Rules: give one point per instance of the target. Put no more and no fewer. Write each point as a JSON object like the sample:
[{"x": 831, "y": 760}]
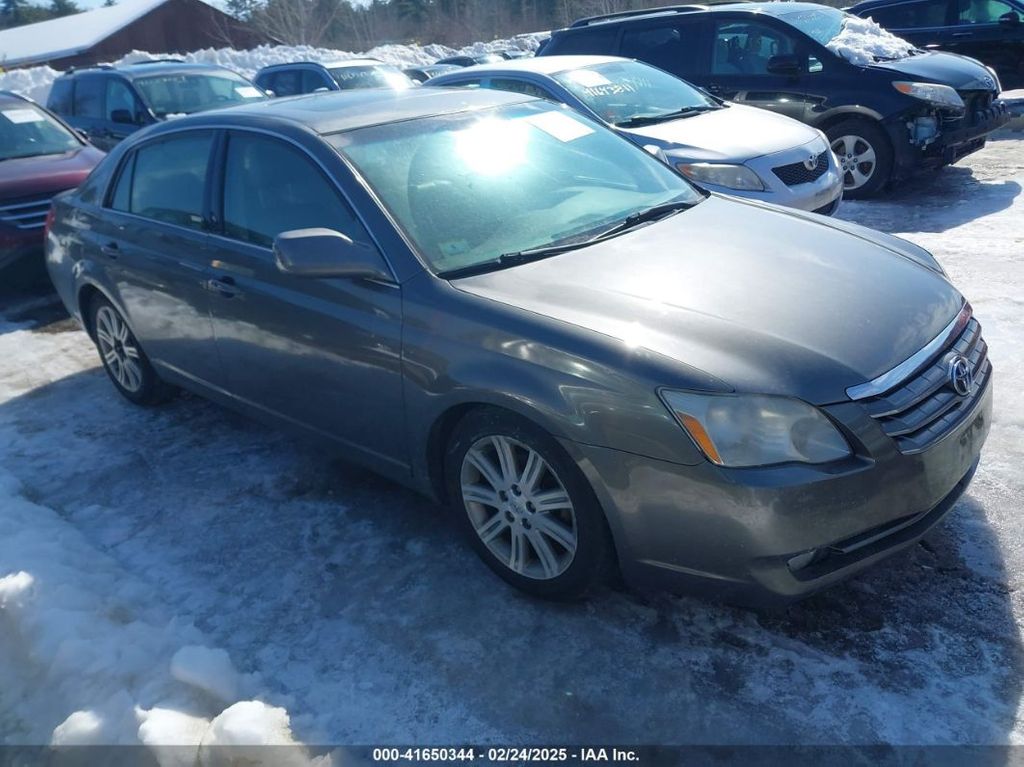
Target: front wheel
[
  {"x": 527, "y": 508},
  {"x": 865, "y": 157}
]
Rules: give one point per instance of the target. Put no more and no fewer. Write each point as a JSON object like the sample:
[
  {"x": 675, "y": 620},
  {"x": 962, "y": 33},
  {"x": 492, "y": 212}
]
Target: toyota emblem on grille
[
  {"x": 811, "y": 163},
  {"x": 961, "y": 377}
]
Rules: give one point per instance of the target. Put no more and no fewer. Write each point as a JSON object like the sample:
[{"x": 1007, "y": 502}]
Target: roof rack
[
  {"x": 70, "y": 70},
  {"x": 664, "y": 10},
  {"x": 168, "y": 60}
]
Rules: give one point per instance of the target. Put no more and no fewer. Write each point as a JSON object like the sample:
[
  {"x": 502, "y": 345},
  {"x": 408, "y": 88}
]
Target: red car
[{"x": 39, "y": 157}]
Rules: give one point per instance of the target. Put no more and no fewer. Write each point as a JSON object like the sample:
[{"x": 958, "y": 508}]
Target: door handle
[
  {"x": 111, "y": 250},
  {"x": 963, "y": 34},
  {"x": 223, "y": 286}
]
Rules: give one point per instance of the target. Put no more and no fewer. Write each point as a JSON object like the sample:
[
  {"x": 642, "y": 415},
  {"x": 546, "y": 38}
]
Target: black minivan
[
  {"x": 888, "y": 108},
  {"x": 991, "y": 31}
]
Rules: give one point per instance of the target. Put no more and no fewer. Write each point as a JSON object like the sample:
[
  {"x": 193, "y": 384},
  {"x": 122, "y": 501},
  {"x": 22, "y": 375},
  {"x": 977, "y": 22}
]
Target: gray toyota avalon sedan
[{"x": 507, "y": 306}]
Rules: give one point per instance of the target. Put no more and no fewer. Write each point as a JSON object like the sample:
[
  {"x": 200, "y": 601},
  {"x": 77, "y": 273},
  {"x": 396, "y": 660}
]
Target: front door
[{"x": 322, "y": 353}]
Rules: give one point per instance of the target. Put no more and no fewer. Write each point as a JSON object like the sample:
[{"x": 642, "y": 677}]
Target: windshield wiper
[
  {"x": 641, "y": 120},
  {"x": 536, "y": 254}
]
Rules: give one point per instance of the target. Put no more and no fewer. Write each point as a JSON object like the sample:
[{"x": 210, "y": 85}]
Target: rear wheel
[
  {"x": 865, "y": 157},
  {"x": 526, "y": 507},
  {"x": 123, "y": 359}
]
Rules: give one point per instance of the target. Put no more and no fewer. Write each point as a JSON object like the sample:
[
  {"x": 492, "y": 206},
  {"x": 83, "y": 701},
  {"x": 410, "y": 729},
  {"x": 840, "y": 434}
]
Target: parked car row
[{"x": 554, "y": 293}]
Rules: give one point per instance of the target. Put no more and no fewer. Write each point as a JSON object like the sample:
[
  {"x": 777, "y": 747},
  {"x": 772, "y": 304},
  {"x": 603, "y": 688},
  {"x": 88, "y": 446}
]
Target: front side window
[
  {"x": 89, "y": 97},
  {"x": 314, "y": 80},
  {"x": 165, "y": 180},
  {"x": 469, "y": 187},
  {"x": 629, "y": 93},
  {"x": 121, "y": 104},
  {"x": 271, "y": 187},
  {"x": 370, "y": 76},
  {"x": 185, "y": 93},
  {"x": 983, "y": 11},
  {"x": 28, "y": 131},
  {"x": 744, "y": 47}
]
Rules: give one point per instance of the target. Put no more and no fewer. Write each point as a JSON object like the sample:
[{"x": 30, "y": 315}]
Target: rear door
[
  {"x": 322, "y": 353},
  {"x": 154, "y": 245},
  {"x": 738, "y": 65}
]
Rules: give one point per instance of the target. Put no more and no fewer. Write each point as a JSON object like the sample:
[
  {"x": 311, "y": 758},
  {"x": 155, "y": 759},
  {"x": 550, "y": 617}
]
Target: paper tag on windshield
[
  {"x": 18, "y": 116},
  {"x": 247, "y": 92},
  {"x": 560, "y": 125},
  {"x": 588, "y": 78}
]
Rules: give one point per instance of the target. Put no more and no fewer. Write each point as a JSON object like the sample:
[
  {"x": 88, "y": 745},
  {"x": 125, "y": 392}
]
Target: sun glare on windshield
[{"x": 493, "y": 146}]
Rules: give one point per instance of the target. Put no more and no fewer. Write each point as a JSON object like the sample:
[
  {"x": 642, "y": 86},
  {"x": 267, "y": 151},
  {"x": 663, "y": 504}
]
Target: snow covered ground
[{"x": 158, "y": 567}]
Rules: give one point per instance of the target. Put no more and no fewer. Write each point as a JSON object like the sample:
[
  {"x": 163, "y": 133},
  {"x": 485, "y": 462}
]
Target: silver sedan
[{"x": 723, "y": 147}]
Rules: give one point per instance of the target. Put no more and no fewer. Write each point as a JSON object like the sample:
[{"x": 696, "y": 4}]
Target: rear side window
[
  {"x": 929, "y": 13},
  {"x": 60, "y": 97},
  {"x": 89, "y": 97},
  {"x": 271, "y": 187},
  {"x": 600, "y": 40},
  {"x": 166, "y": 180}
]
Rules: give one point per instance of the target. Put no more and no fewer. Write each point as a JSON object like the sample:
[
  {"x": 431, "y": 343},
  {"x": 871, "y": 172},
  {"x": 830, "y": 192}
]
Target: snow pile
[
  {"x": 35, "y": 82},
  {"x": 92, "y": 658},
  {"x": 863, "y": 42}
]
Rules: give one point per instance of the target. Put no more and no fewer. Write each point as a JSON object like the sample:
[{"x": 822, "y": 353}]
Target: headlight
[
  {"x": 729, "y": 176},
  {"x": 756, "y": 430},
  {"x": 933, "y": 93}
]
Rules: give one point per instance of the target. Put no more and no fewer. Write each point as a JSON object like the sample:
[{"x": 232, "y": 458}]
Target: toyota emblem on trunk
[{"x": 961, "y": 378}]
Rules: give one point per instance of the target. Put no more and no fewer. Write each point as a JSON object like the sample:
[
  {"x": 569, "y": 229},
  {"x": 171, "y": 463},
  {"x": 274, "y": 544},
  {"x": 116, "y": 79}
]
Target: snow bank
[
  {"x": 92, "y": 658},
  {"x": 35, "y": 82},
  {"x": 863, "y": 42}
]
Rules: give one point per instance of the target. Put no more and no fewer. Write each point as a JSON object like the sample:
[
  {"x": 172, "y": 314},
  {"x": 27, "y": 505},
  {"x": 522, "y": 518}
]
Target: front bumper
[
  {"x": 822, "y": 195},
  {"x": 773, "y": 535},
  {"x": 955, "y": 140}
]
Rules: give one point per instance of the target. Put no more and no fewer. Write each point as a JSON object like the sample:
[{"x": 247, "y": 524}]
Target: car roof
[
  {"x": 327, "y": 64},
  {"x": 543, "y": 65},
  {"x": 337, "y": 111},
  {"x": 8, "y": 98},
  {"x": 144, "y": 68},
  {"x": 778, "y": 8}
]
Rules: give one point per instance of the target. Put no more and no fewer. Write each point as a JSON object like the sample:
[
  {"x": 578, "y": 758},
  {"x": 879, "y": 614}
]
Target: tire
[
  {"x": 126, "y": 364},
  {"x": 563, "y": 551},
  {"x": 853, "y": 139}
]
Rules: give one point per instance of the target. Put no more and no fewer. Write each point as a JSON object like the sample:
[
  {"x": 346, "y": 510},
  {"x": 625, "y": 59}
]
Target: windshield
[
  {"x": 621, "y": 93},
  {"x": 28, "y": 131},
  {"x": 470, "y": 187},
  {"x": 859, "y": 41},
  {"x": 370, "y": 76},
  {"x": 185, "y": 93}
]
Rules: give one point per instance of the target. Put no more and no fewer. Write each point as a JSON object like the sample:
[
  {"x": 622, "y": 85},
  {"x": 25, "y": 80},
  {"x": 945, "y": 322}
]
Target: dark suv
[
  {"x": 887, "y": 108},
  {"x": 109, "y": 103},
  {"x": 988, "y": 30},
  {"x": 39, "y": 157}
]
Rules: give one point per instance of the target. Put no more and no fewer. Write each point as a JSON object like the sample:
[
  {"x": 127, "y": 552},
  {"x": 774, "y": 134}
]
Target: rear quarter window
[
  {"x": 61, "y": 93},
  {"x": 599, "y": 40}
]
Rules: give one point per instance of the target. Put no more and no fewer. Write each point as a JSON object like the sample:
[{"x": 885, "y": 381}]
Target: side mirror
[
  {"x": 270, "y": 93},
  {"x": 785, "y": 64},
  {"x": 123, "y": 117},
  {"x": 1010, "y": 19},
  {"x": 326, "y": 253}
]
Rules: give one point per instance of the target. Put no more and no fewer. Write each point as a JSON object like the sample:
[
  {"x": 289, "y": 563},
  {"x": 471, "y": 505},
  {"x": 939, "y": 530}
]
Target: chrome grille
[
  {"x": 924, "y": 408},
  {"x": 29, "y": 213},
  {"x": 798, "y": 173}
]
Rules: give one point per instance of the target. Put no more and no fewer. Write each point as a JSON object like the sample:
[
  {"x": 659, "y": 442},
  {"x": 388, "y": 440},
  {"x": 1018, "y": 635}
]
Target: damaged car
[{"x": 888, "y": 108}]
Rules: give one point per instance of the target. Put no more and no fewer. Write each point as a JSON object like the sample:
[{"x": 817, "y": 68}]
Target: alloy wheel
[
  {"x": 519, "y": 507},
  {"x": 118, "y": 348},
  {"x": 857, "y": 160}
]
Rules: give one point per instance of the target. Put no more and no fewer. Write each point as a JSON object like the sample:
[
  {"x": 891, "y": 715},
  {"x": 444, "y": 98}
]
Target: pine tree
[
  {"x": 11, "y": 12},
  {"x": 63, "y": 8}
]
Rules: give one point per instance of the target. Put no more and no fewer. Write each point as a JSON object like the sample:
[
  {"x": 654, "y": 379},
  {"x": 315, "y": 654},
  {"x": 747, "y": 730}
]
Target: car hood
[
  {"x": 736, "y": 133},
  {"x": 49, "y": 174},
  {"x": 959, "y": 72},
  {"x": 763, "y": 300}
]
